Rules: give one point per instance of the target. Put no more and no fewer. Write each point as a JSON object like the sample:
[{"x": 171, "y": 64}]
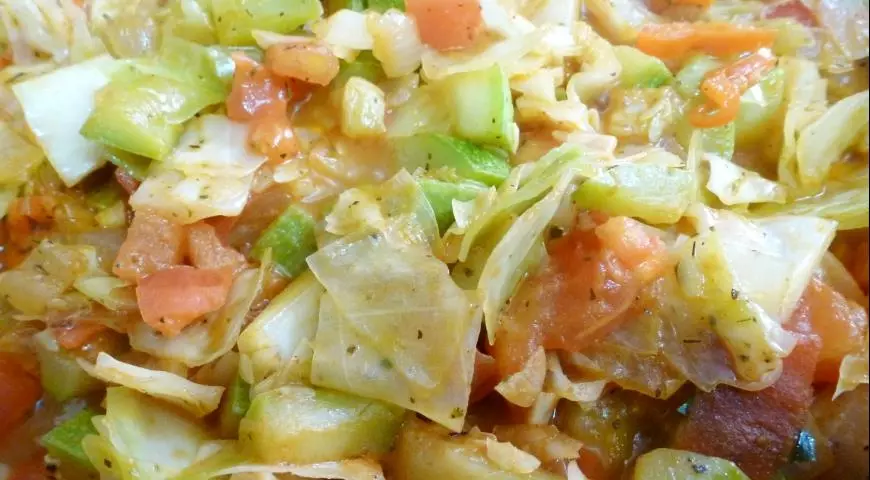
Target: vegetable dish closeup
[{"x": 434, "y": 239}]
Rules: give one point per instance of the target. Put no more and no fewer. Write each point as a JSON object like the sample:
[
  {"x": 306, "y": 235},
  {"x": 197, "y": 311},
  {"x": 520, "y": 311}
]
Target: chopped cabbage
[
  {"x": 846, "y": 24},
  {"x": 397, "y": 208},
  {"x": 345, "y": 32},
  {"x": 823, "y": 142},
  {"x": 758, "y": 107},
  {"x": 56, "y": 105},
  {"x": 750, "y": 275},
  {"x": 560, "y": 12},
  {"x": 600, "y": 67},
  {"x": 199, "y": 400},
  {"x": 275, "y": 335},
  {"x": 110, "y": 292},
  {"x": 620, "y": 20},
  {"x": 735, "y": 185},
  {"x": 55, "y": 29},
  {"x": 854, "y": 369},
  {"x": 206, "y": 341},
  {"x": 394, "y": 327},
  {"x": 20, "y": 157},
  {"x": 142, "y": 439},
  {"x": 395, "y": 42},
  {"x": 510, "y": 458},
  {"x": 363, "y": 109},
  {"x": 210, "y": 173},
  {"x": 642, "y": 114},
  {"x": 191, "y": 20},
  {"x": 128, "y": 28},
  {"x": 558, "y": 383},
  {"x": 523, "y": 387}
]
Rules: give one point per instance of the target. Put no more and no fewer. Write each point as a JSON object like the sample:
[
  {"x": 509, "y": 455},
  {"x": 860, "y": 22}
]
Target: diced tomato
[
  {"x": 78, "y": 333},
  {"x": 839, "y": 323},
  {"x": 153, "y": 243},
  {"x": 172, "y": 299},
  {"x": 485, "y": 376},
  {"x": 206, "y": 250},
  {"x": 583, "y": 294},
  {"x": 126, "y": 181},
  {"x": 793, "y": 9},
  {"x": 755, "y": 430},
  {"x": 446, "y": 24},
  {"x": 32, "y": 469},
  {"x": 19, "y": 392},
  {"x": 270, "y": 133}
]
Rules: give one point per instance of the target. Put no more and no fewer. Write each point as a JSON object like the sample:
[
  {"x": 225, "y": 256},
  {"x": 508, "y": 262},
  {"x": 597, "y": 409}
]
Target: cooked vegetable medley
[{"x": 434, "y": 239}]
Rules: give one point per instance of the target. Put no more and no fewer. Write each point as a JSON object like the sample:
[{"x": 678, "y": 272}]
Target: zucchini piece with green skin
[
  {"x": 143, "y": 109},
  {"x": 60, "y": 374},
  {"x": 640, "y": 69},
  {"x": 291, "y": 238},
  {"x": 431, "y": 151},
  {"x": 64, "y": 442},
  {"x": 431, "y": 452},
  {"x": 304, "y": 425},
  {"x": 482, "y": 107},
  {"x": 683, "y": 465},
  {"x": 235, "y": 19},
  {"x": 333, "y": 6},
  {"x": 654, "y": 193},
  {"x": 441, "y": 195},
  {"x": 365, "y": 65},
  {"x": 384, "y": 5},
  {"x": 236, "y": 404},
  {"x": 136, "y": 166}
]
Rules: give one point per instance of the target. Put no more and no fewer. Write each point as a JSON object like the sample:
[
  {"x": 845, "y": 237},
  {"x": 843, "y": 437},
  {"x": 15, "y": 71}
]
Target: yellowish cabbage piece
[{"x": 199, "y": 400}]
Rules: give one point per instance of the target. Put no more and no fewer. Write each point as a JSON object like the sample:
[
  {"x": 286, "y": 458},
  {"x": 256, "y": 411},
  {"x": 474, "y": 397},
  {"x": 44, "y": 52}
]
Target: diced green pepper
[
  {"x": 682, "y": 465},
  {"x": 136, "y": 166},
  {"x": 333, "y": 6},
  {"x": 654, "y": 193},
  {"x": 384, "y": 5},
  {"x": 235, "y": 19},
  {"x": 640, "y": 69},
  {"x": 441, "y": 195},
  {"x": 234, "y": 407},
  {"x": 482, "y": 107},
  {"x": 60, "y": 374},
  {"x": 365, "y": 65},
  {"x": 690, "y": 76},
  {"x": 64, "y": 442},
  {"x": 431, "y": 151},
  {"x": 291, "y": 238},
  {"x": 143, "y": 109},
  {"x": 304, "y": 425}
]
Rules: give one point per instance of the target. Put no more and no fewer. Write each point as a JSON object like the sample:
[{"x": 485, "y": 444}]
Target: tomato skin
[
  {"x": 153, "y": 243},
  {"x": 446, "y": 24},
  {"x": 587, "y": 290},
  {"x": 206, "y": 250},
  {"x": 19, "y": 392},
  {"x": 33, "y": 469},
  {"x": 795, "y": 10}
]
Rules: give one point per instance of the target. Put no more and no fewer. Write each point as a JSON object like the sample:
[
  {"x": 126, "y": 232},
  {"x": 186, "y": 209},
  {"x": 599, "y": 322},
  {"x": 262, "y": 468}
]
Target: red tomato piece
[{"x": 172, "y": 299}]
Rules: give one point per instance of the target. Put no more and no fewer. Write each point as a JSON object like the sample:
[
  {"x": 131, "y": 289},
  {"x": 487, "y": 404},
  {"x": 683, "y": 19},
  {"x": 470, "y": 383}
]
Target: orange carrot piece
[
  {"x": 446, "y": 24},
  {"x": 676, "y": 40},
  {"x": 172, "y": 299},
  {"x": 76, "y": 334},
  {"x": 153, "y": 243},
  {"x": 724, "y": 86}
]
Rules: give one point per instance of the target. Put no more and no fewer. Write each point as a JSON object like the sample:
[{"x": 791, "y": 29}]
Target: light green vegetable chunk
[
  {"x": 665, "y": 463},
  {"x": 59, "y": 373},
  {"x": 191, "y": 20},
  {"x": 431, "y": 151},
  {"x": 430, "y": 452},
  {"x": 482, "y": 107},
  {"x": 235, "y": 19},
  {"x": 654, "y": 193},
  {"x": 333, "y": 6},
  {"x": 365, "y": 65},
  {"x": 64, "y": 441},
  {"x": 384, "y": 5},
  {"x": 758, "y": 106},
  {"x": 441, "y": 195},
  {"x": 640, "y": 69},
  {"x": 143, "y": 109},
  {"x": 304, "y": 425},
  {"x": 234, "y": 407},
  {"x": 136, "y": 166},
  {"x": 689, "y": 77},
  {"x": 363, "y": 108},
  {"x": 291, "y": 238}
]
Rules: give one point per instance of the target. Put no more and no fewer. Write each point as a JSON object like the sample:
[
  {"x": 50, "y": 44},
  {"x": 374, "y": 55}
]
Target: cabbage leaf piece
[
  {"x": 142, "y": 439},
  {"x": 199, "y": 400},
  {"x": 393, "y": 326}
]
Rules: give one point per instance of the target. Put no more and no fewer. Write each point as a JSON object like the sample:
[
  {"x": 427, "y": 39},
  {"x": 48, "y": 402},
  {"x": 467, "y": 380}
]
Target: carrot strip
[
  {"x": 76, "y": 334},
  {"x": 724, "y": 86},
  {"x": 676, "y": 40}
]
